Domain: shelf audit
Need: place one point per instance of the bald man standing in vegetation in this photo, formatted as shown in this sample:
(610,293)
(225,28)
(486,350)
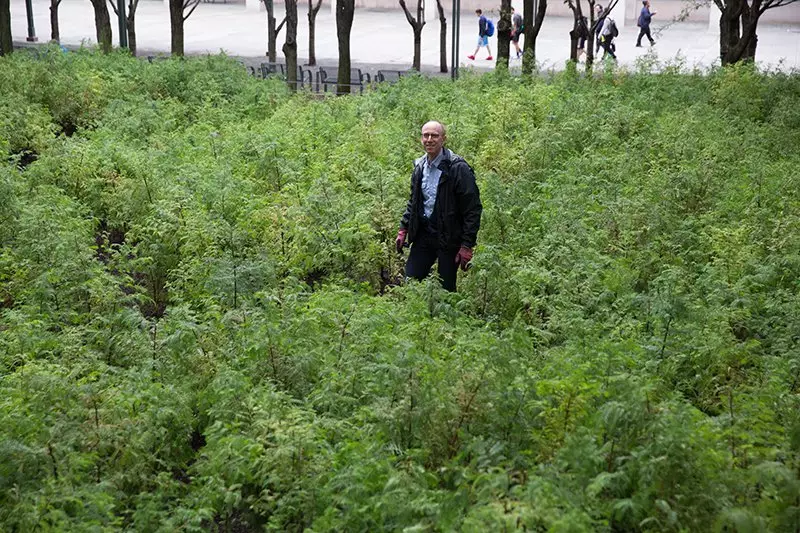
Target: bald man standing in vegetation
(443,214)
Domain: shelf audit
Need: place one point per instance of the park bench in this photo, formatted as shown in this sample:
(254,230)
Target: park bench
(271,69)
(249,68)
(391,76)
(327,79)
(279,69)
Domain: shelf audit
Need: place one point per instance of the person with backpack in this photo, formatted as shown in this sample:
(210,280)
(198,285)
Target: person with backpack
(516,30)
(607,36)
(644,24)
(598,9)
(485,30)
(443,214)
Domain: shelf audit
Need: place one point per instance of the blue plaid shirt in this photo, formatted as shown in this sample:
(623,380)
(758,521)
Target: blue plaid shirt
(430,182)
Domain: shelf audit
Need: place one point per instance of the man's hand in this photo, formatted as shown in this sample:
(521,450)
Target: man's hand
(463,257)
(400,240)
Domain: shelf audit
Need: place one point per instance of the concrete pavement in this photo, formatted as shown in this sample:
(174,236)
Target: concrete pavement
(384,38)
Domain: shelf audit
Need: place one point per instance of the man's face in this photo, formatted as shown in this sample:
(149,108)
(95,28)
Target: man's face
(432,138)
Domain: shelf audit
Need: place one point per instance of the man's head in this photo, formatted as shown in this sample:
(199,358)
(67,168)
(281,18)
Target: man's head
(598,8)
(478,12)
(646,3)
(433,138)
(512,10)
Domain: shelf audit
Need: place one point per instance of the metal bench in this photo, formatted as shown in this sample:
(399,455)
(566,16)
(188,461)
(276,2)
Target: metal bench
(391,76)
(249,68)
(269,69)
(279,69)
(327,79)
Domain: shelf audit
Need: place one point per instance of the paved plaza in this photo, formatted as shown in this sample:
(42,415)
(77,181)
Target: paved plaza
(383,39)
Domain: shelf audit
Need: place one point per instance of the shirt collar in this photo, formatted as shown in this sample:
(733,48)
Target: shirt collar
(436,160)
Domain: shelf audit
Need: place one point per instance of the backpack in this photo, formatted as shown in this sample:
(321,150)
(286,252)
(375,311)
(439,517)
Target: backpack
(489,27)
(612,27)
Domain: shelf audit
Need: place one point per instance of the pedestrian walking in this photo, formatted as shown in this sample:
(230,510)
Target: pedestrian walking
(644,24)
(516,30)
(598,9)
(485,30)
(443,213)
(607,36)
(582,29)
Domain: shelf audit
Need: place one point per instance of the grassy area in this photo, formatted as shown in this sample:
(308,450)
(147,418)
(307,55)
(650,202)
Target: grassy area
(201,326)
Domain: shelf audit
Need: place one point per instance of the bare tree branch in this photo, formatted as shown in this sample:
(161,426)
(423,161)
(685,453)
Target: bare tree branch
(411,20)
(771,4)
(603,15)
(193,4)
(278,29)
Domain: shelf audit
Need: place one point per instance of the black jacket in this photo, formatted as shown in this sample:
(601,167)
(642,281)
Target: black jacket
(457,211)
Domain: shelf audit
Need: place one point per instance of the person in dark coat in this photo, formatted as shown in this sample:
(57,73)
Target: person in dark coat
(644,24)
(517,27)
(599,21)
(443,214)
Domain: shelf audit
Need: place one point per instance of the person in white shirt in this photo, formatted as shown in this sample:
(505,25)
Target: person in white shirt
(607,35)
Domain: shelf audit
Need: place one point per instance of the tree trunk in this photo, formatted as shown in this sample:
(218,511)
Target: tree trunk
(132,34)
(132,5)
(312,27)
(729,30)
(290,46)
(417,63)
(442,37)
(130,22)
(531,33)
(749,22)
(55,33)
(574,34)
(504,35)
(416,27)
(102,22)
(176,26)
(272,33)
(590,39)
(6,40)
(345,9)
(738,23)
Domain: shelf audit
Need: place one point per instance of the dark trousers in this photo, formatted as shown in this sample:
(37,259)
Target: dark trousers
(424,252)
(608,46)
(644,30)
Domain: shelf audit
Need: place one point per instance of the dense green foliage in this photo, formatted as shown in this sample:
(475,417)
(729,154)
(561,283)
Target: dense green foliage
(202,329)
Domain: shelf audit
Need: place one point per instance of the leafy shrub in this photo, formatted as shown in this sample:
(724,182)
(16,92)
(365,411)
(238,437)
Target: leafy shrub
(205,327)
